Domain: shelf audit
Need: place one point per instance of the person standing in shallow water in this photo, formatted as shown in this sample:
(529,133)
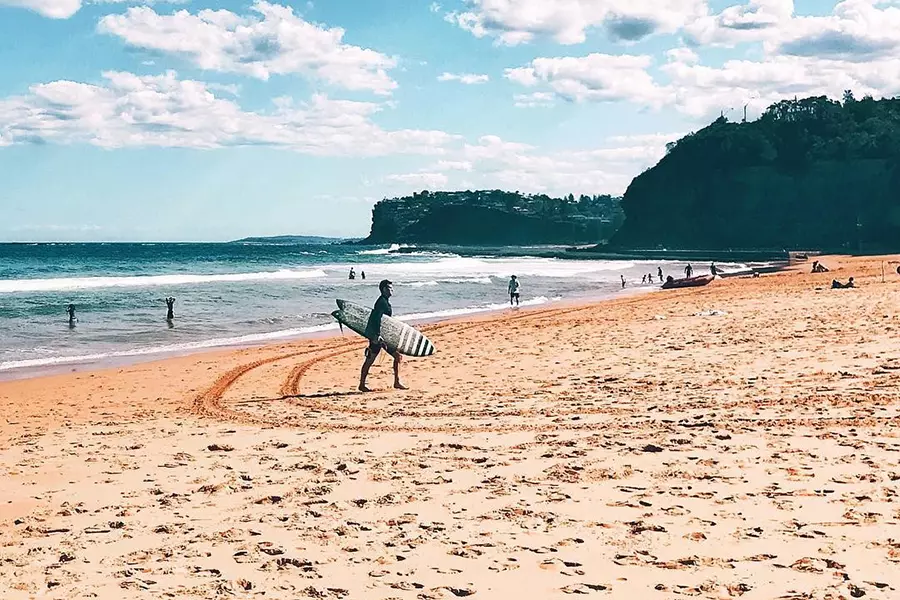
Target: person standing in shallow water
(373,333)
(659,273)
(623,281)
(170,308)
(71,312)
(513,290)
(688,271)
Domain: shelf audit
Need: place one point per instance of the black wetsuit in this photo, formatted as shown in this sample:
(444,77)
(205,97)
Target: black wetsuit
(373,327)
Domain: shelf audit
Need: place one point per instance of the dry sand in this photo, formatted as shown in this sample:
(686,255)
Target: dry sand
(735,440)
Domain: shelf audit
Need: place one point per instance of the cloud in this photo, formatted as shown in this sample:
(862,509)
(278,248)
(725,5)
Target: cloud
(277,42)
(513,22)
(63,9)
(128,110)
(534,100)
(492,162)
(419,181)
(466,78)
(753,21)
(857,30)
(54,9)
(595,77)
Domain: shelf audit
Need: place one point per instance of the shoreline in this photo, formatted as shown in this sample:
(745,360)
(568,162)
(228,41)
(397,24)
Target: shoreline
(78,364)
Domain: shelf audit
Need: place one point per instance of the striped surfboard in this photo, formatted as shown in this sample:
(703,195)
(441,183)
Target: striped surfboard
(396,334)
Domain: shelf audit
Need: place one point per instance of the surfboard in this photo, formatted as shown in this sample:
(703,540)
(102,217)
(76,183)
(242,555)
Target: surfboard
(396,334)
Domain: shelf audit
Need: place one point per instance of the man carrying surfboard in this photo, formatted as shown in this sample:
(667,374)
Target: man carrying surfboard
(373,333)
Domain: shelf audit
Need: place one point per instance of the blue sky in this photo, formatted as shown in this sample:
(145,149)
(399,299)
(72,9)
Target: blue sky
(196,120)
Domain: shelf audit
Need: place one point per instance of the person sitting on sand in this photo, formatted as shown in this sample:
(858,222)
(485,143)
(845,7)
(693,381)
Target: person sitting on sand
(513,289)
(373,333)
(837,285)
(819,267)
(170,308)
(71,312)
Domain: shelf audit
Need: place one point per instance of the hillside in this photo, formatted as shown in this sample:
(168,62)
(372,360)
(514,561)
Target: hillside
(493,217)
(811,173)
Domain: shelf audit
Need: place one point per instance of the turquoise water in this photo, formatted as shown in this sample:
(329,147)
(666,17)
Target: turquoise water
(236,294)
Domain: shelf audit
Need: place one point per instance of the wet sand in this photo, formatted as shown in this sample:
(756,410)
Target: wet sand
(735,440)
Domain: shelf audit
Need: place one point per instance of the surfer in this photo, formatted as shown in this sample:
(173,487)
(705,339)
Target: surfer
(352,273)
(688,271)
(71,312)
(373,333)
(513,289)
(170,308)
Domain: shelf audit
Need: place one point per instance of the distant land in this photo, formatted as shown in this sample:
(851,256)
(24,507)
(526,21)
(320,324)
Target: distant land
(493,218)
(808,174)
(288,240)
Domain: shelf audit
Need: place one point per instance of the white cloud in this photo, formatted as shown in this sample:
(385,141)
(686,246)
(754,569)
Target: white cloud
(466,78)
(63,9)
(55,9)
(131,110)
(534,100)
(514,22)
(752,21)
(420,181)
(277,42)
(453,165)
(492,162)
(595,77)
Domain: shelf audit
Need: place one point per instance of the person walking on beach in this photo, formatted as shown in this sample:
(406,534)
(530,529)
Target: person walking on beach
(644,279)
(623,281)
(713,269)
(513,289)
(688,271)
(649,277)
(363,275)
(659,273)
(373,333)
(170,308)
(71,312)
(352,273)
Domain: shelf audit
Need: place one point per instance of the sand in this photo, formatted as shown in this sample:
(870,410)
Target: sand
(738,440)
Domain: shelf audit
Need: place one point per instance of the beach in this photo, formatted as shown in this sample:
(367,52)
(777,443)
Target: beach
(739,439)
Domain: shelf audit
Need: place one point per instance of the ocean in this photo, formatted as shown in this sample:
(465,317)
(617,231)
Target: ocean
(239,294)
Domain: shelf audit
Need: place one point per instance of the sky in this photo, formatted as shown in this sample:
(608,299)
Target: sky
(193,120)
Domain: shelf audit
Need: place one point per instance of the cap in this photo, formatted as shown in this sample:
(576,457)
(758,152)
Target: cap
(384,283)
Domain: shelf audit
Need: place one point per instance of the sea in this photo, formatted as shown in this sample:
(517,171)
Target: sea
(244,294)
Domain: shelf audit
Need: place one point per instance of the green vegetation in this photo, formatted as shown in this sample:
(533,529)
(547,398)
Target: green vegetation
(810,173)
(493,217)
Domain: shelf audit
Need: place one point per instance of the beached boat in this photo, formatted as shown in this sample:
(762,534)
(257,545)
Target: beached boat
(687,282)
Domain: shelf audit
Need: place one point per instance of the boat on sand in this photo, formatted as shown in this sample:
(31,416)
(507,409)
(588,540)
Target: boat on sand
(698,281)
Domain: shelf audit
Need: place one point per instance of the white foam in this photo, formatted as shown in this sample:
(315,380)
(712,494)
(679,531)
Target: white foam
(380,251)
(243,340)
(85,283)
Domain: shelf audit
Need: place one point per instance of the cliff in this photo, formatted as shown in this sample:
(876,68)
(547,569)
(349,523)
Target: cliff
(811,173)
(493,218)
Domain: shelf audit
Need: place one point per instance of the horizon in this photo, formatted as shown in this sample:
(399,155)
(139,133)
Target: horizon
(166,122)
